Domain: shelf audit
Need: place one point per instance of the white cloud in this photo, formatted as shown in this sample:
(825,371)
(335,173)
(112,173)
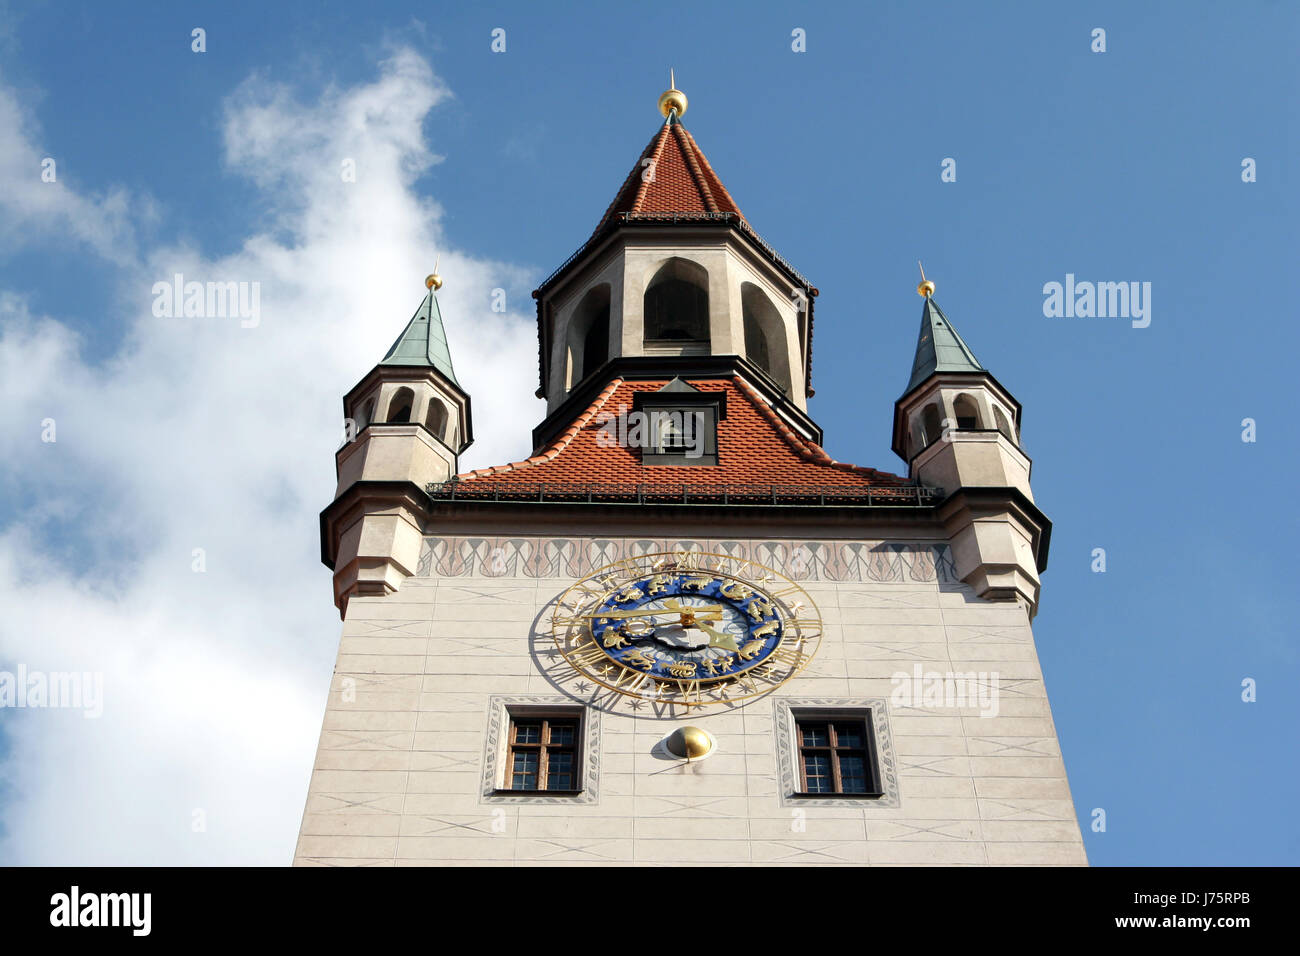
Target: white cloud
(201,434)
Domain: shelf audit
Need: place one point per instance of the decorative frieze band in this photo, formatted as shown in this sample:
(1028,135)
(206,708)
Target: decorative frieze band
(882,562)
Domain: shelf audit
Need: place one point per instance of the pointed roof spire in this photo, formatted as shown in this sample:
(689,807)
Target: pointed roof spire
(939,348)
(672,175)
(424,340)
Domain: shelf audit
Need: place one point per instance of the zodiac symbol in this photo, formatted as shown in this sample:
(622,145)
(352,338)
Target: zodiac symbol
(766,630)
(759,609)
(698,583)
(629,593)
(659,583)
(682,669)
(638,658)
(613,638)
(710,666)
(735,590)
(751,650)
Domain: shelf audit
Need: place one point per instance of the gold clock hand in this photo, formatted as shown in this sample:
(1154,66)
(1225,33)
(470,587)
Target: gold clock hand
(622,615)
(718,639)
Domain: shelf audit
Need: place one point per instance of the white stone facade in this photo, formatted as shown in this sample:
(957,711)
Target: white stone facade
(403,774)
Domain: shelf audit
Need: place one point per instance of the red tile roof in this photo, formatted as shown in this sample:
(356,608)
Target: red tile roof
(754,446)
(682,181)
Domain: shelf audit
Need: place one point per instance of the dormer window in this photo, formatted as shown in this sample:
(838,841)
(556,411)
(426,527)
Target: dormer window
(680,424)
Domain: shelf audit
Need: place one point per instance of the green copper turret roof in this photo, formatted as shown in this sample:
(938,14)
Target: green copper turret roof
(423,341)
(939,348)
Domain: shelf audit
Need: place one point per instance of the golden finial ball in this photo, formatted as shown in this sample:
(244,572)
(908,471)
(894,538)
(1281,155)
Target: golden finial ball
(689,742)
(433,281)
(925,289)
(673,99)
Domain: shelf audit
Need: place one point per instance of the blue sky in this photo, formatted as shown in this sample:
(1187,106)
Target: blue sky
(1115,166)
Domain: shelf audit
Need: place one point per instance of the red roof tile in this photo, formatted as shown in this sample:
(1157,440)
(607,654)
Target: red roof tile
(754,446)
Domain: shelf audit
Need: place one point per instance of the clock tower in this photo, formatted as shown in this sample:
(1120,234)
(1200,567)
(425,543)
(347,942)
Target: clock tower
(680,631)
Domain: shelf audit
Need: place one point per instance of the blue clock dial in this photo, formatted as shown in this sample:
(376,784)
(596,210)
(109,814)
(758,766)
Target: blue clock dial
(687,626)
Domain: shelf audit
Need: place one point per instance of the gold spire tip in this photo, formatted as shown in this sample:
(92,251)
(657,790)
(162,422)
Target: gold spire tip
(926,287)
(433,281)
(672,98)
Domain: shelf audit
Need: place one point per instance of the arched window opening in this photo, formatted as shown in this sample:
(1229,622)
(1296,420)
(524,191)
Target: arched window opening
(1004,426)
(931,425)
(587,334)
(436,419)
(595,344)
(677,304)
(916,440)
(399,406)
(367,414)
(967,412)
(766,335)
(756,343)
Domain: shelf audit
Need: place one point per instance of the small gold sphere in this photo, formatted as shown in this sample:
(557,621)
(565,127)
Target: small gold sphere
(689,742)
(673,99)
(925,289)
(433,281)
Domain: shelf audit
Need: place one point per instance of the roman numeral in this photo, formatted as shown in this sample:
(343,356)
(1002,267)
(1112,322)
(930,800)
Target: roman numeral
(586,655)
(688,687)
(788,654)
(632,679)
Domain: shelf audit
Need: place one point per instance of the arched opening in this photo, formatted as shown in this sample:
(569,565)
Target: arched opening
(399,406)
(676,305)
(931,425)
(588,334)
(916,440)
(1003,425)
(967,412)
(595,345)
(765,335)
(367,414)
(436,419)
(756,344)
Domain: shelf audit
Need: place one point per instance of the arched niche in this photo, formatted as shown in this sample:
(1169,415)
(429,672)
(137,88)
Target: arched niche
(966,410)
(399,406)
(588,334)
(766,344)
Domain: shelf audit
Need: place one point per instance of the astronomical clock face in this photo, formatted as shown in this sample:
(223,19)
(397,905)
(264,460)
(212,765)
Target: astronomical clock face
(688,629)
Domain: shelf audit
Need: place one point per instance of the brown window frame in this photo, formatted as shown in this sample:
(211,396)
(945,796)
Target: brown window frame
(543,748)
(832,747)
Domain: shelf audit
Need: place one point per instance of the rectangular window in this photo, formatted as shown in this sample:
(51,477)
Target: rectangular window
(836,755)
(543,754)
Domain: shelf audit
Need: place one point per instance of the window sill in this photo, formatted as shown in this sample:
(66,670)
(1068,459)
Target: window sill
(802,795)
(500,792)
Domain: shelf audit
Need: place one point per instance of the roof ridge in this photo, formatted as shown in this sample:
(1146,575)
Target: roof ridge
(556,446)
(804,448)
(708,168)
(658,142)
(686,143)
